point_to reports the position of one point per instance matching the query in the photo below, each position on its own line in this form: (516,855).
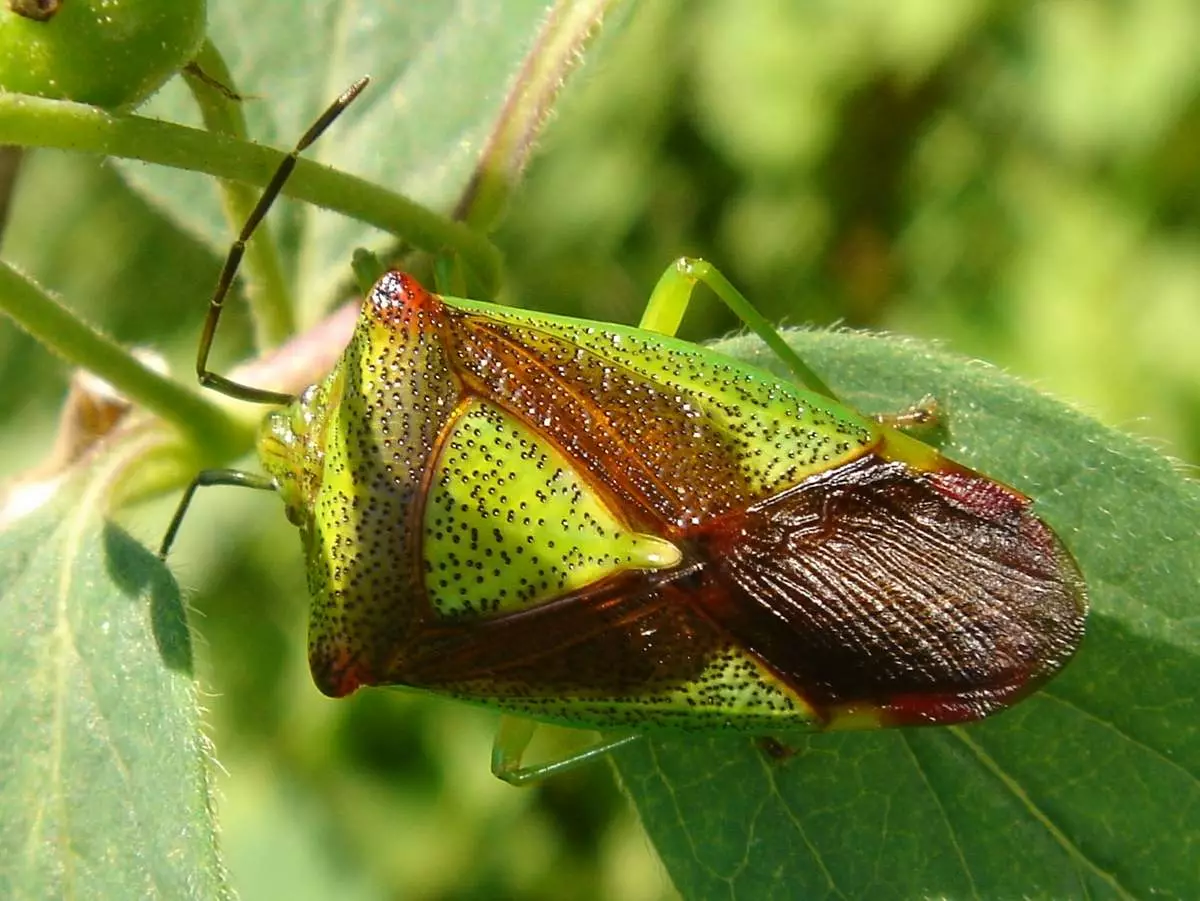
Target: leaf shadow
(139,573)
(1139,684)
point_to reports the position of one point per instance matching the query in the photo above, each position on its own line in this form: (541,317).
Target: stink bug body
(607,527)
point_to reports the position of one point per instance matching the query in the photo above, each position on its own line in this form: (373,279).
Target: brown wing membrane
(921,597)
(931,597)
(634,633)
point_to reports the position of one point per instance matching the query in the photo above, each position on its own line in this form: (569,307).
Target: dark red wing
(930,597)
(632,634)
(925,597)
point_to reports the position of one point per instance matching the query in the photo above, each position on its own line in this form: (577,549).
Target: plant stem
(204,424)
(270,301)
(560,48)
(36,122)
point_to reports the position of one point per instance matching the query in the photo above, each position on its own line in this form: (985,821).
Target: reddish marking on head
(397,296)
(341,676)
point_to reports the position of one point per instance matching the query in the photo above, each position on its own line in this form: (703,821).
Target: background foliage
(1017,181)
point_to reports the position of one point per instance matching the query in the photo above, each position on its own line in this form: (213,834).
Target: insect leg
(236,250)
(775,750)
(512,738)
(203,479)
(670,298)
(924,414)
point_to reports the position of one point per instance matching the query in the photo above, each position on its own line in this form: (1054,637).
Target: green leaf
(440,75)
(1087,789)
(104,772)
(104,783)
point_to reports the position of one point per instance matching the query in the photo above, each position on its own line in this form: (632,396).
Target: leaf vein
(937,800)
(1038,814)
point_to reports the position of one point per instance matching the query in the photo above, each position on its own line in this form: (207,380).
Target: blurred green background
(1018,181)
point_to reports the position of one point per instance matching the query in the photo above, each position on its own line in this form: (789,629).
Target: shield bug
(607,527)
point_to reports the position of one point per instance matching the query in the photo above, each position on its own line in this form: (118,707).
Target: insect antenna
(237,249)
(229,270)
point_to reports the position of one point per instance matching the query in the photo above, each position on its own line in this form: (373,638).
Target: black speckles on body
(601,528)
(375,420)
(509,522)
(682,432)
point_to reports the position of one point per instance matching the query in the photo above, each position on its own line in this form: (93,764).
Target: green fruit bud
(110,53)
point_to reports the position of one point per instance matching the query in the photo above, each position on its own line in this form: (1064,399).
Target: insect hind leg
(925,414)
(670,298)
(512,739)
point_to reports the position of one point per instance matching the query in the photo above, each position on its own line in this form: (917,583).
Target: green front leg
(669,301)
(512,739)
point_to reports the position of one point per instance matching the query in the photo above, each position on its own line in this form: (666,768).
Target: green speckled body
(604,527)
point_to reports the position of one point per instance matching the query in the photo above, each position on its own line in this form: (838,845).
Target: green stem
(270,300)
(204,424)
(35,122)
(560,47)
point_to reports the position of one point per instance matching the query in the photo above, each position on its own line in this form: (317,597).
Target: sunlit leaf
(105,771)
(1088,789)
